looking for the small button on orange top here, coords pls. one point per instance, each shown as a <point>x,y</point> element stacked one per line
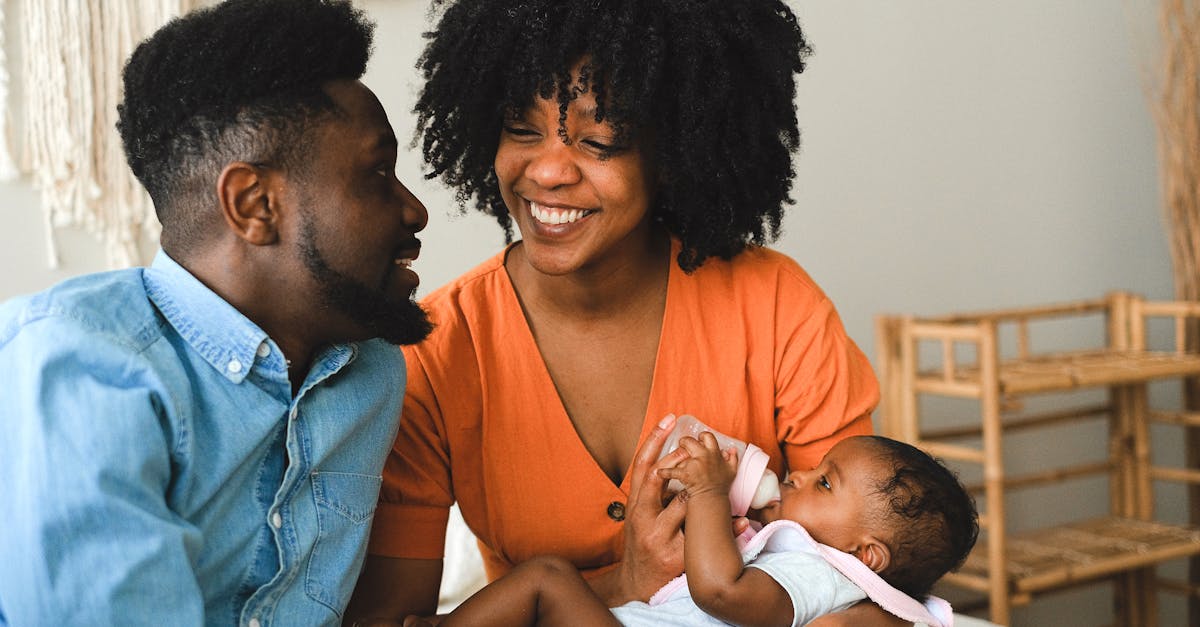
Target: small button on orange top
<point>616,511</point>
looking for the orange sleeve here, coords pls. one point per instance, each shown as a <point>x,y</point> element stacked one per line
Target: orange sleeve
<point>826,388</point>
<point>414,502</point>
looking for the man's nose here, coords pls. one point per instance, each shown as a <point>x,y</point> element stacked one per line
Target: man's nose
<point>415,216</point>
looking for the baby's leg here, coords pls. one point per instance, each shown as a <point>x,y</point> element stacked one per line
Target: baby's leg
<point>541,591</point>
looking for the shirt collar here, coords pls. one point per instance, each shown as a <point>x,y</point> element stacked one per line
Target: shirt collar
<point>218,332</point>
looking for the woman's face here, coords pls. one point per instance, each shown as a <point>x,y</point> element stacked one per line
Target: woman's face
<point>578,202</point>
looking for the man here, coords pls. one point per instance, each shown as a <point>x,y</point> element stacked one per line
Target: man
<point>201,441</point>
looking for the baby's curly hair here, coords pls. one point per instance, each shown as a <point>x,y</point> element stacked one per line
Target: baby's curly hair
<point>239,81</point>
<point>706,87</point>
<point>931,517</point>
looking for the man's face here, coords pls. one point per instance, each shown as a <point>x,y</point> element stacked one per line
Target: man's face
<point>357,224</point>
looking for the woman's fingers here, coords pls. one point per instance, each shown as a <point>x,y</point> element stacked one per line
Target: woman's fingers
<point>674,472</point>
<point>653,539</point>
<point>645,460</point>
<point>672,516</point>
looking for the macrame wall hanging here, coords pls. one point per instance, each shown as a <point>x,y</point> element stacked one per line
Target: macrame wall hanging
<point>68,80</point>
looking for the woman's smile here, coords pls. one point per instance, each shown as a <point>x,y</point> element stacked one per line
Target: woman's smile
<point>551,215</point>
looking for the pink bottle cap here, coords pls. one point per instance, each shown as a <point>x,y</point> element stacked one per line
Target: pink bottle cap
<point>749,473</point>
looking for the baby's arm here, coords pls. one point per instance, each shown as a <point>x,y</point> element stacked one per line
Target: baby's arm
<point>717,579</point>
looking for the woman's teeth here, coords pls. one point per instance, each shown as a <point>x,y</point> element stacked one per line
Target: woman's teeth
<point>550,215</point>
<point>404,263</point>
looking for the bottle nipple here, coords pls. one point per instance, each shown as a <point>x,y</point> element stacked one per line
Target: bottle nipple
<point>767,492</point>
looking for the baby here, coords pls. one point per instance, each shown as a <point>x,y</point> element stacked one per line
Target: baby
<point>875,510</point>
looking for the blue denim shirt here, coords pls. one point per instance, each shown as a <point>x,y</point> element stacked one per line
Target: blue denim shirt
<point>156,467</point>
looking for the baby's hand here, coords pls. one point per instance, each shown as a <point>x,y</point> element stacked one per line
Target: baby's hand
<point>707,470</point>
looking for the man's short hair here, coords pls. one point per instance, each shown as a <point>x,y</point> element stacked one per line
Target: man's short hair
<point>239,81</point>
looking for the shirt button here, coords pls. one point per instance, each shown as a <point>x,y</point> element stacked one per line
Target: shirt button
<point>276,520</point>
<point>264,349</point>
<point>616,511</point>
<point>254,622</point>
<point>234,366</point>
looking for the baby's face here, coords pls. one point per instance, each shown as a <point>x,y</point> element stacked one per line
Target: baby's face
<point>832,500</point>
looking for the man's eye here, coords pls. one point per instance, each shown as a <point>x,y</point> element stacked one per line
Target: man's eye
<point>385,170</point>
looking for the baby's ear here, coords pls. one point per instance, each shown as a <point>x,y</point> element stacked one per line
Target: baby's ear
<point>874,553</point>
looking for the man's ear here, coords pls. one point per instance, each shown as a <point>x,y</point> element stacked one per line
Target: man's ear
<point>247,203</point>
<point>874,553</point>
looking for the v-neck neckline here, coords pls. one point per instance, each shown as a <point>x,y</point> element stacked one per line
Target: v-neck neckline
<point>561,415</point>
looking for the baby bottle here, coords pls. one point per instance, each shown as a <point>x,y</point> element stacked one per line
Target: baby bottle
<point>754,486</point>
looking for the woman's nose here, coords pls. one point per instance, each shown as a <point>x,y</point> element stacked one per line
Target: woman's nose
<point>553,165</point>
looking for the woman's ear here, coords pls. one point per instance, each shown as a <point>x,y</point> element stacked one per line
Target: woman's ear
<point>243,192</point>
<point>874,553</point>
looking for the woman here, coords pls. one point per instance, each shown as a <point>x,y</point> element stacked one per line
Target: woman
<point>643,150</point>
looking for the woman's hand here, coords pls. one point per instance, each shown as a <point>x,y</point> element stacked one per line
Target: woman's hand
<point>653,532</point>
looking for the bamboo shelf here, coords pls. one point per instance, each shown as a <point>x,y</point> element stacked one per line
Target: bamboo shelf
<point>1050,558</point>
<point>1065,371</point>
<point>990,358</point>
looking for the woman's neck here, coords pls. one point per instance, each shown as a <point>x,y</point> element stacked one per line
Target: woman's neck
<point>633,275</point>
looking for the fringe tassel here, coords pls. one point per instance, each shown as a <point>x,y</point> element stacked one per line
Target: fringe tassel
<point>8,166</point>
<point>74,52</point>
<point>1176,107</point>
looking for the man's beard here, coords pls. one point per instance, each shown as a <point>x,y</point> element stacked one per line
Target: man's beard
<point>396,321</point>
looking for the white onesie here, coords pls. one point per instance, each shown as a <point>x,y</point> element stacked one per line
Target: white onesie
<point>818,578</point>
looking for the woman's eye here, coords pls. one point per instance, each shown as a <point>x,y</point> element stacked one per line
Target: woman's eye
<point>824,483</point>
<point>602,147</point>
<point>517,131</point>
<point>385,170</point>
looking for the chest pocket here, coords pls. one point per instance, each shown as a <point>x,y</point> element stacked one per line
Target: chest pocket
<point>345,504</point>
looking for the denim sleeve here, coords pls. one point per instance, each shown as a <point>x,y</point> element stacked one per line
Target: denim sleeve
<point>85,468</point>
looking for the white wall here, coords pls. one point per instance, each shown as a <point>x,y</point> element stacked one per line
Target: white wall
<point>957,154</point>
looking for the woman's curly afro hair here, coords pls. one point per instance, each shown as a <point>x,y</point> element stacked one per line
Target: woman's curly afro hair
<point>706,86</point>
<point>240,80</point>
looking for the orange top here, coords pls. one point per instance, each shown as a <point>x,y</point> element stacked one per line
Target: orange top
<point>751,346</point>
